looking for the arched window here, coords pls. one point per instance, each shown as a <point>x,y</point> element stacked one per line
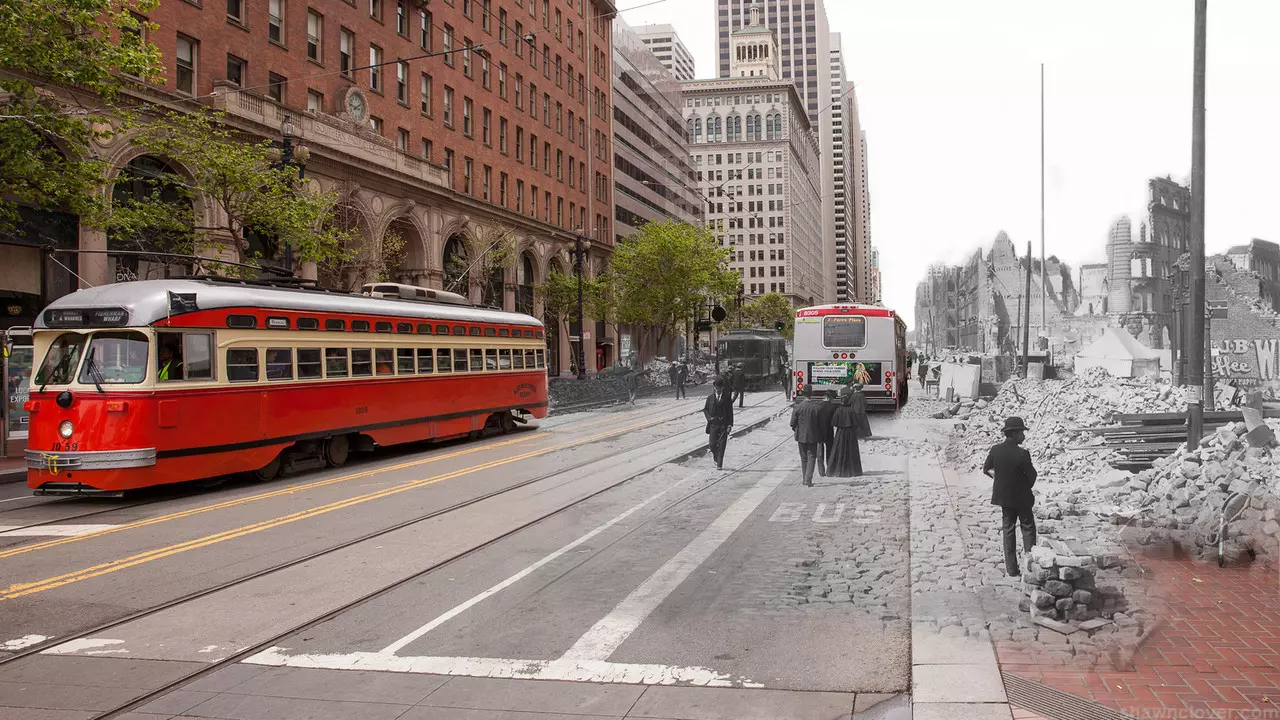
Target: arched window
<point>751,127</point>
<point>715,129</point>
<point>147,179</point>
<point>454,263</point>
<point>733,127</point>
<point>689,130</point>
<point>524,285</point>
<point>697,130</point>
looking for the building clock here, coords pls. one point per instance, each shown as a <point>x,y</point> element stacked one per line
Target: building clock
<point>355,104</point>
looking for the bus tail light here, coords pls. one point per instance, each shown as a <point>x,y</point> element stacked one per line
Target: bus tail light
<point>118,406</point>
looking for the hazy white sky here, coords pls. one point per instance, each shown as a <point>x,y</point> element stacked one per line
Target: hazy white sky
<point>949,96</point>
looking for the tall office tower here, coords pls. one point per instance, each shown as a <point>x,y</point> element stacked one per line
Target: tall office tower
<point>863,285</point>
<point>665,44</point>
<point>800,27</point>
<point>844,124</point>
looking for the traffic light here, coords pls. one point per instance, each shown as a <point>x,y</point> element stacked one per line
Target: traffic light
<point>780,325</point>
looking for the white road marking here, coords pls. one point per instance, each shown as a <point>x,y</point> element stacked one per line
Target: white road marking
<point>613,629</point>
<point>25,641</point>
<point>458,610</point>
<point>20,497</point>
<point>51,530</point>
<point>72,647</point>
<point>587,660</point>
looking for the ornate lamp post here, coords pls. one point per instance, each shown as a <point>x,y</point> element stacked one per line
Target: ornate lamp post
<point>581,245</point>
<point>296,157</point>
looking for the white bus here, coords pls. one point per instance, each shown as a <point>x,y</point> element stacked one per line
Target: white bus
<point>839,345</point>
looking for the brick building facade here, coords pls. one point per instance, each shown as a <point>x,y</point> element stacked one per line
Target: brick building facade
<point>429,119</point>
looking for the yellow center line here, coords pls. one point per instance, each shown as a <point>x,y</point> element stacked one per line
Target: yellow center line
<point>18,590</point>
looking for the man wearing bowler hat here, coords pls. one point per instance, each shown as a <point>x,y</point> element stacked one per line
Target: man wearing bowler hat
<point>1009,464</point>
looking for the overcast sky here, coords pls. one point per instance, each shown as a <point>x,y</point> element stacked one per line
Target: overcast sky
<point>949,96</point>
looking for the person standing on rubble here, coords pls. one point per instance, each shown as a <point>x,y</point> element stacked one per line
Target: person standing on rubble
<point>1009,465</point>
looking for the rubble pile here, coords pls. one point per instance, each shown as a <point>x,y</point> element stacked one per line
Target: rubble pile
<point>1235,471</point>
<point>1060,584</point>
<point>1053,409</point>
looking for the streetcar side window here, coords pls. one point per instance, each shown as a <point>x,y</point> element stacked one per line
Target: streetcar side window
<point>335,362</point>
<point>424,360</point>
<point>475,331</point>
<point>242,364</point>
<point>279,363</point>
<point>385,361</point>
<point>477,360</point>
<point>490,332</point>
<point>459,360</point>
<point>404,361</point>
<point>197,356</point>
<point>361,362</point>
<point>424,329</point>
<point>517,359</point>
<point>309,364</point>
<point>335,324</point>
<point>442,329</point>
<point>542,358</point>
<point>360,326</point>
<point>382,326</point>
<point>443,362</point>
<point>491,359</point>
<point>459,330</point>
<point>530,359</point>
<point>504,359</point>
<point>504,332</point>
<point>404,327</point>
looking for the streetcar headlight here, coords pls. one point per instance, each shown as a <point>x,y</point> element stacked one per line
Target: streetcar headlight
<point>65,428</point>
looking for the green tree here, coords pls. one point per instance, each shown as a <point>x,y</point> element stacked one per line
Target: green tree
<point>258,205</point>
<point>89,50</point>
<point>559,295</point>
<point>664,272</point>
<point>768,310</point>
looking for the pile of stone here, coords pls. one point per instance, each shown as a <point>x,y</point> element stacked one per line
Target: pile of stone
<point>1235,471</point>
<point>1055,410</point>
<point>1060,584</point>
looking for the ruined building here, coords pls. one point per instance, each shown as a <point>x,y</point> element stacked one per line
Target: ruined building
<point>1140,278</point>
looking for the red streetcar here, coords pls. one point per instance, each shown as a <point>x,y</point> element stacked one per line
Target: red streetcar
<point>164,381</point>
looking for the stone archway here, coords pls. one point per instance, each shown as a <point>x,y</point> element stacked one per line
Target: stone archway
<point>151,178</point>
<point>361,265</point>
<point>454,261</point>
<point>525,280</point>
<point>405,252</point>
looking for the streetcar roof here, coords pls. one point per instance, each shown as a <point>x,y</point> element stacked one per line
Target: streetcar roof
<point>148,302</point>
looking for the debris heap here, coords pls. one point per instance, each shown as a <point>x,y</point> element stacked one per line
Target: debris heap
<point>1054,409</point>
<point>1235,472</point>
<point>1060,583</point>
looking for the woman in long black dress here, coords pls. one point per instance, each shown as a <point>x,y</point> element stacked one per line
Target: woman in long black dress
<point>846,459</point>
<point>859,404</point>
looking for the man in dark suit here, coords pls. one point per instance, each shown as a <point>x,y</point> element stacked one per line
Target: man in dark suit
<point>719,414</point>
<point>806,421</point>
<point>828,431</point>
<point>740,384</point>
<point>1010,466</point>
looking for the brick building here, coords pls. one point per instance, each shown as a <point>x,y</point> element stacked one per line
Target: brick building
<point>430,119</point>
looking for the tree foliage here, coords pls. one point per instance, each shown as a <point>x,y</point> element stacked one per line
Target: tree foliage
<point>768,310</point>
<point>259,205</point>
<point>87,48</point>
<point>663,273</point>
<point>559,295</point>
<point>360,262</point>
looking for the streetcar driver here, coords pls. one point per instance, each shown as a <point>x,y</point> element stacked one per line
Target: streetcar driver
<point>170,363</point>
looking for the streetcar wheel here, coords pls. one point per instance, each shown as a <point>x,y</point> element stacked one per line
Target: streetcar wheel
<point>336,451</point>
<point>508,423</point>
<point>268,471</point>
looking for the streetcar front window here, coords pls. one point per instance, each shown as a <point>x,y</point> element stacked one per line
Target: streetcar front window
<point>115,358</point>
<point>62,360</point>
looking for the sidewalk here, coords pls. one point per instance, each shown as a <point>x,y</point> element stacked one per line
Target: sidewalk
<point>13,469</point>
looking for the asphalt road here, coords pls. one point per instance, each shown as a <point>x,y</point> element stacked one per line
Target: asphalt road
<point>568,568</point>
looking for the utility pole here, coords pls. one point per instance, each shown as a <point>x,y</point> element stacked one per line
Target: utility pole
<point>1044,287</point>
<point>1196,342</point>
<point>1026,327</point>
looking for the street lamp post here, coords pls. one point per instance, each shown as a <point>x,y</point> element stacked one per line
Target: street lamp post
<point>579,252</point>
<point>298,159</point>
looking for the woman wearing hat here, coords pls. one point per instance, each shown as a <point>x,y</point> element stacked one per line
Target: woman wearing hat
<point>1009,464</point>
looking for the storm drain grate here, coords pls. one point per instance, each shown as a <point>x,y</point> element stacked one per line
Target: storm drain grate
<point>1055,704</point>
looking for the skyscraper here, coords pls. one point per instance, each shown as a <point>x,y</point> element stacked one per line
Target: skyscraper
<point>843,129</point>
<point>800,27</point>
<point>665,44</point>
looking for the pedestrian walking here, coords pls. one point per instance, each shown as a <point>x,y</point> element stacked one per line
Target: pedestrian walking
<point>682,377</point>
<point>806,422</point>
<point>633,384</point>
<point>829,402</point>
<point>858,401</point>
<point>719,413</point>
<point>1009,465</point>
<point>846,457</point>
<point>740,384</point>
<point>924,371</point>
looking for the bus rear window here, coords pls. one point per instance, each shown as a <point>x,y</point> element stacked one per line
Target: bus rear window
<point>844,332</point>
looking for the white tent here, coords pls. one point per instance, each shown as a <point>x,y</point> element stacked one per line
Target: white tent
<point>1120,354</point>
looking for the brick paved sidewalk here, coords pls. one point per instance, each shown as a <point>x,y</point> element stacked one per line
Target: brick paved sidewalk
<point>1215,655</point>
